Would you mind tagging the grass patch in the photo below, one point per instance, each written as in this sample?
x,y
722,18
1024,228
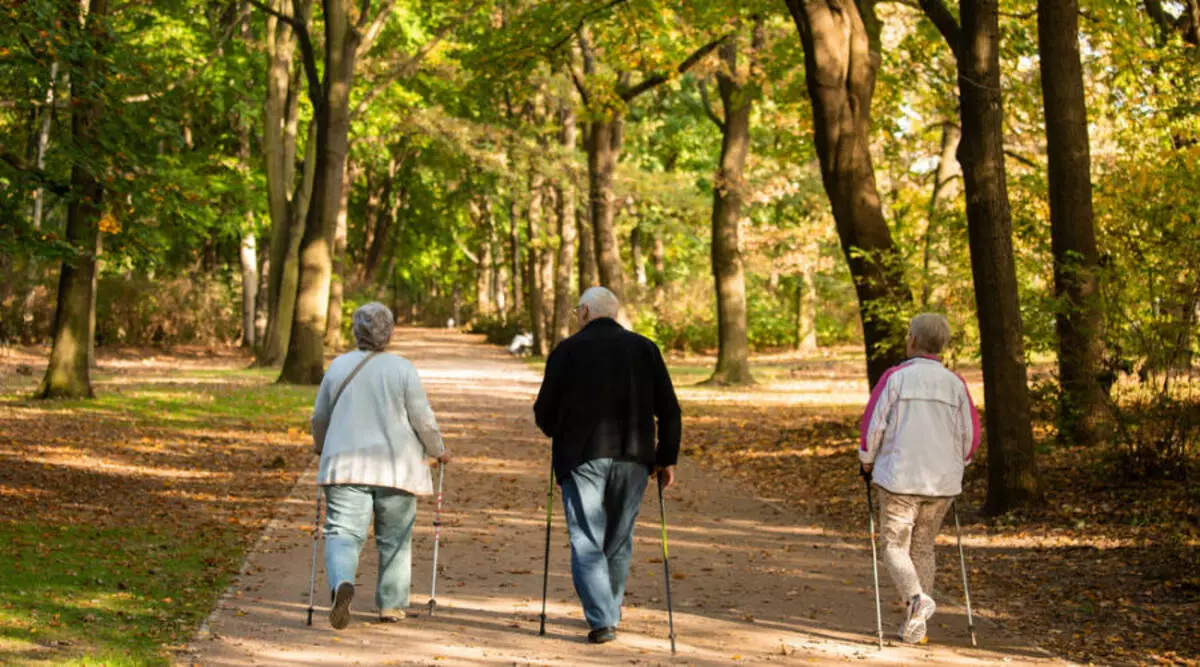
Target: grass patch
x,y
125,516
118,596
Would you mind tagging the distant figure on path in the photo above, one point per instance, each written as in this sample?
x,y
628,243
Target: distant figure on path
x,y
919,432
604,391
374,428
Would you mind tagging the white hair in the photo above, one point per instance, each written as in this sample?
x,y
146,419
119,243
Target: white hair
x,y
930,333
601,302
373,324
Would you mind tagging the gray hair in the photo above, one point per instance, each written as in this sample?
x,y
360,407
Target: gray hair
x,y
373,324
601,302
930,333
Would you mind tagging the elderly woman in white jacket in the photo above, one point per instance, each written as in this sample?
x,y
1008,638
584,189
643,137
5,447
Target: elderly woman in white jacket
x,y
374,429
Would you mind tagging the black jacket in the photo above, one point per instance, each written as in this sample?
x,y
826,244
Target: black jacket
x,y
603,390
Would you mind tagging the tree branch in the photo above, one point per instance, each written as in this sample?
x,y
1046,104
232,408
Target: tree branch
x,y
1028,162
684,66
707,104
944,21
579,85
316,91
579,24
45,180
290,20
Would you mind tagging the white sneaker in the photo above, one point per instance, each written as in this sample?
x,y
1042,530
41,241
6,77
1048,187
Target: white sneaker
x,y
920,608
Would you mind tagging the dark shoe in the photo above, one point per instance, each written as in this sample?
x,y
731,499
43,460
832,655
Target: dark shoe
x,y
339,615
602,635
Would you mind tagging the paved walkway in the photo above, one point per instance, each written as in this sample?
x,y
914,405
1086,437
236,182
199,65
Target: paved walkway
x,y
752,584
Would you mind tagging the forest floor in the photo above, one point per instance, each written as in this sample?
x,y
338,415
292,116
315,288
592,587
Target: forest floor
x,y
128,516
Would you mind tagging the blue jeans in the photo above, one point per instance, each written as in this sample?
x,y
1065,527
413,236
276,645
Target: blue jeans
x,y
347,516
602,499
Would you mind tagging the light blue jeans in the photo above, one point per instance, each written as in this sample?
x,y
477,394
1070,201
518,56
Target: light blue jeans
x,y
347,516
602,499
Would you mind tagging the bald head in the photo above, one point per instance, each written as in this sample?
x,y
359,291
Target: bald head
x,y
597,302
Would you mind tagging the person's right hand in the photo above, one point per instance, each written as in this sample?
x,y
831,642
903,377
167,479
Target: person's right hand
x,y
444,458
666,477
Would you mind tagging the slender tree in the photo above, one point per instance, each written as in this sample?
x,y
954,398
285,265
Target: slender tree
x,y
67,374
738,90
603,138
1084,406
1012,468
841,60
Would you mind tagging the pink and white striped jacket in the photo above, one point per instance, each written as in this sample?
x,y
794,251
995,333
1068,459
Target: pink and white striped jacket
x,y
920,429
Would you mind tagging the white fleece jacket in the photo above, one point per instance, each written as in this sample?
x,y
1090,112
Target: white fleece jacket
x,y
382,430
920,429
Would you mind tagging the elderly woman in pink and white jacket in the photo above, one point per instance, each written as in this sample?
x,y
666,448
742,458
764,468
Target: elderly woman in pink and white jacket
x,y
919,432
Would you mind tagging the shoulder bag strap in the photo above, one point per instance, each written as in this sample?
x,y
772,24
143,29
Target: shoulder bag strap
x,y
350,377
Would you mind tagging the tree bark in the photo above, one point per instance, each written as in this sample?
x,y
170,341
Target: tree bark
x,y
337,285
1012,469
639,256
67,374
943,190
249,259
659,258
514,255
1084,415
806,309
305,361
285,261
603,145
565,209
533,262
589,273
841,59
737,98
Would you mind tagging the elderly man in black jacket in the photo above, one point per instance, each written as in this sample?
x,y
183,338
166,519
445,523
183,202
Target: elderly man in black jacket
x,y
605,394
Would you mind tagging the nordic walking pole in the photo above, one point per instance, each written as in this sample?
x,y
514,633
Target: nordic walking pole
x,y
546,570
962,563
662,513
312,577
437,535
874,555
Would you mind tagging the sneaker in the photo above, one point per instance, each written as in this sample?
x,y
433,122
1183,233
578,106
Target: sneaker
x,y
920,608
392,615
339,614
602,635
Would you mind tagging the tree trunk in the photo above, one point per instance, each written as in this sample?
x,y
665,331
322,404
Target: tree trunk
x,y
67,374
534,255
659,257
305,361
249,258
733,355
589,273
638,254
841,57
285,261
43,141
516,304
1012,470
565,202
337,285
280,132
806,309
943,190
1084,416
603,144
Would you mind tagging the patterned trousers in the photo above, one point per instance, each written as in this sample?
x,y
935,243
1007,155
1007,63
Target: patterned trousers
x,y
908,528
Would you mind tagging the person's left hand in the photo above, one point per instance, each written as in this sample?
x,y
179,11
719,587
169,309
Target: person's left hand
x,y
666,476
864,470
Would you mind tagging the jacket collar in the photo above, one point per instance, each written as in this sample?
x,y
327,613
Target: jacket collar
x,y
927,357
602,323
